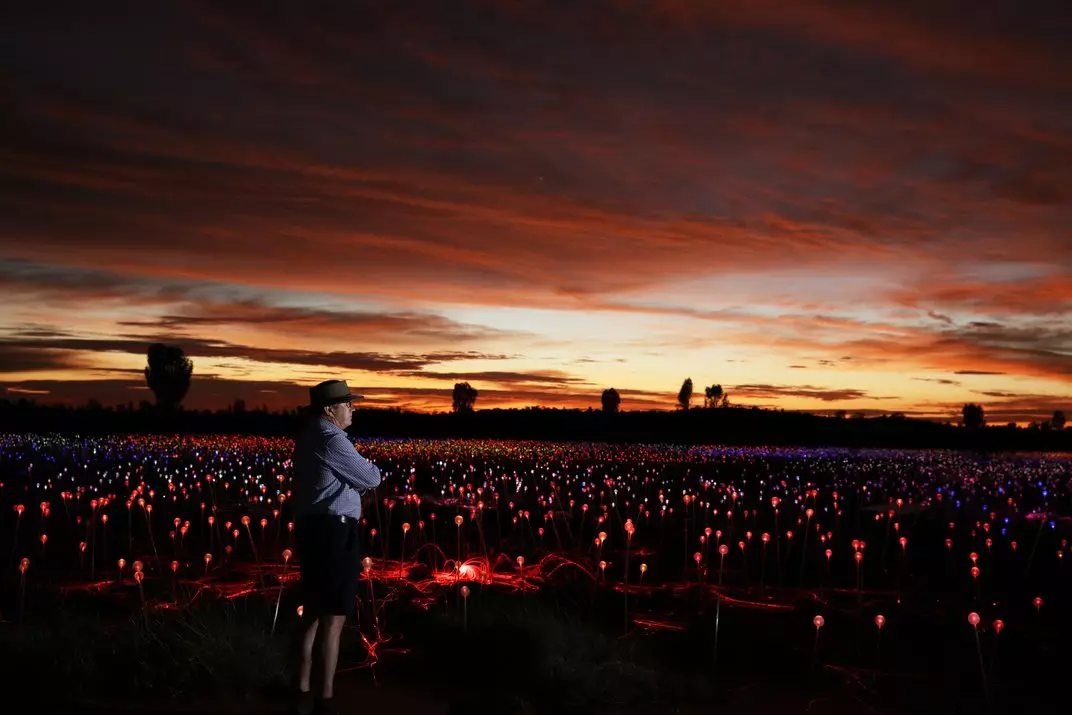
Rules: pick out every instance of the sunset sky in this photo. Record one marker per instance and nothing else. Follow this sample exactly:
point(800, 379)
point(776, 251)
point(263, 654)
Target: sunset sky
point(819, 205)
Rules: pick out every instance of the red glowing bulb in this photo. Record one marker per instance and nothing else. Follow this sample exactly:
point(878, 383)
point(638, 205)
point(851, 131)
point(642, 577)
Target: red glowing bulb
point(697, 557)
point(829, 553)
point(765, 538)
point(880, 620)
point(724, 549)
point(859, 557)
point(1038, 602)
point(818, 621)
point(973, 619)
point(975, 572)
point(999, 626)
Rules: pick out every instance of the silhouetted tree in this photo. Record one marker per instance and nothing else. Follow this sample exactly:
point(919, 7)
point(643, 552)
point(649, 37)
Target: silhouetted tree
point(168, 374)
point(973, 415)
point(684, 396)
point(1058, 420)
point(463, 397)
point(611, 400)
point(712, 396)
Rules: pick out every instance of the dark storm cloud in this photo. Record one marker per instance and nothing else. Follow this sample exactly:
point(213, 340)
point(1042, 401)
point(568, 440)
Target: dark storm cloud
point(422, 135)
point(40, 353)
point(541, 154)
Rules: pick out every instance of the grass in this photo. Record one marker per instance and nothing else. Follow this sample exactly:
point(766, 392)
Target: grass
point(215, 649)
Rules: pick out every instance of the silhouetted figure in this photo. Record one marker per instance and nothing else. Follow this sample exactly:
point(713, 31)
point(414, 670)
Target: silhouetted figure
point(974, 418)
point(1058, 420)
point(611, 400)
point(329, 480)
point(463, 397)
point(684, 396)
point(168, 374)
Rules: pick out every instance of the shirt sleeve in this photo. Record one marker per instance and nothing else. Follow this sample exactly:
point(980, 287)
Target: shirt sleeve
point(349, 466)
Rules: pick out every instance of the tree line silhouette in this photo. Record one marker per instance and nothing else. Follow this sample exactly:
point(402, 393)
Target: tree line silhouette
point(168, 374)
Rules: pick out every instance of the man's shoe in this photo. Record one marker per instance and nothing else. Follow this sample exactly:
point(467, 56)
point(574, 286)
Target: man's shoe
point(303, 704)
point(325, 707)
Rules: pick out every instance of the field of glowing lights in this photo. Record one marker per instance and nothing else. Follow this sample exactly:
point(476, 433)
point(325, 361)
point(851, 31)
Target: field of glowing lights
point(648, 576)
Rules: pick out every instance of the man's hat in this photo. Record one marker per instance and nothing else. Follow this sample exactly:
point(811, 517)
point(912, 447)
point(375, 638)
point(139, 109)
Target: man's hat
point(331, 392)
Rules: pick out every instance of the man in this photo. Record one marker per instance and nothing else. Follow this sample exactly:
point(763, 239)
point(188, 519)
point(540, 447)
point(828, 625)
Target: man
point(329, 477)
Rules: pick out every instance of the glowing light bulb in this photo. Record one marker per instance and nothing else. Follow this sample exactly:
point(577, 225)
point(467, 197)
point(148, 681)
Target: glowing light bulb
point(465, 592)
point(287, 553)
point(1038, 603)
point(973, 619)
point(880, 620)
point(999, 626)
point(818, 621)
point(724, 549)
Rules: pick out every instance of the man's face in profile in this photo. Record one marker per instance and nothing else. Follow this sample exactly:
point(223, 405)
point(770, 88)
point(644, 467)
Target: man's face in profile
point(342, 414)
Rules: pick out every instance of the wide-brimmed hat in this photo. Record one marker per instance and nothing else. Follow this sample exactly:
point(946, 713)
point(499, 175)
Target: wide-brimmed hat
point(331, 392)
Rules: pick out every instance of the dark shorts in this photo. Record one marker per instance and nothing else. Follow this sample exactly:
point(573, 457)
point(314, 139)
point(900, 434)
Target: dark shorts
point(329, 560)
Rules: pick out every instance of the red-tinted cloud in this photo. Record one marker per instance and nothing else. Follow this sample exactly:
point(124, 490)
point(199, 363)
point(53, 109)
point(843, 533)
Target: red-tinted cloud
point(213, 170)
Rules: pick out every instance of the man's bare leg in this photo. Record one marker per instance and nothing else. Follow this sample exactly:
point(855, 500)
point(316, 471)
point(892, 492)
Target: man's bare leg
point(307, 636)
point(330, 635)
